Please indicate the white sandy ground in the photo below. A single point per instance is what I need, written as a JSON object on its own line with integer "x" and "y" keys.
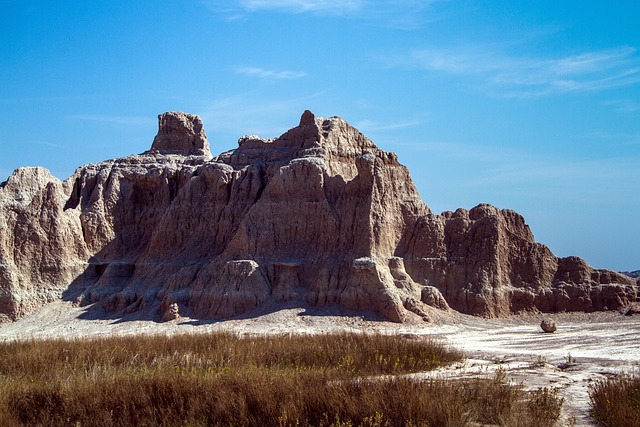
{"x": 586, "y": 347}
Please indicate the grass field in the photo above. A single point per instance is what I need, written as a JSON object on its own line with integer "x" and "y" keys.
{"x": 225, "y": 380}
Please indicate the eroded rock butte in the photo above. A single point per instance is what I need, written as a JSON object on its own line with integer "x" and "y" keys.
{"x": 319, "y": 216}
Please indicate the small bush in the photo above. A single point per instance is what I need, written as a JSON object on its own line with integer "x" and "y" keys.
{"x": 616, "y": 401}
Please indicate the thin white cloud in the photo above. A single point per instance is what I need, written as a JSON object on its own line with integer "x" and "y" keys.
{"x": 524, "y": 76}
{"x": 235, "y": 9}
{"x": 333, "y": 7}
{"x": 620, "y": 138}
{"x": 460, "y": 151}
{"x": 397, "y": 14}
{"x": 118, "y": 120}
{"x": 367, "y": 125}
{"x": 623, "y": 105}
{"x": 47, "y": 144}
{"x": 246, "y": 113}
{"x": 270, "y": 74}
{"x": 550, "y": 176}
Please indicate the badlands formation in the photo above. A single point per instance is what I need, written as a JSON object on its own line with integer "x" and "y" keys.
{"x": 318, "y": 216}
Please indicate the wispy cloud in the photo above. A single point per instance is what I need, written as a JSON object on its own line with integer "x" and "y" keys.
{"x": 544, "y": 175}
{"x": 270, "y": 74}
{"x": 623, "y": 105}
{"x": 47, "y": 144}
{"x": 297, "y": 6}
{"x": 399, "y": 14}
{"x": 246, "y": 113}
{"x": 512, "y": 75}
{"x": 117, "y": 120}
{"x": 367, "y": 125}
{"x": 619, "y": 138}
{"x": 475, "y": 153}
{"x": 322, "y": 7}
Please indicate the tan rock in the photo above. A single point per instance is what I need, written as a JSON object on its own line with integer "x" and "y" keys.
{"x": 433, "y": 297}
{"x": 317, "y": 216}
{"x": 485, "y": 261}
{"x": 181, "y": 133}
{"x": 171, "y": 313}
{"x": 632, "y": 310}
{"x": 41, "y": 248}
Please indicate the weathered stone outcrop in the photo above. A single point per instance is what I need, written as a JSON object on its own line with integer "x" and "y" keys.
{"x": 635, "y": 274}
{"x": 41, "y": 249}
{"x": 181, "y": 133}
{"x": 318, "y": 216}
{"x": 485, "y": 261}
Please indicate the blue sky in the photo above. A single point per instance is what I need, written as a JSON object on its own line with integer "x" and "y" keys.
{"x": 531, "y": 106}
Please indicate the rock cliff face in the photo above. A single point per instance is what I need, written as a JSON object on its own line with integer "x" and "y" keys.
{"x": 318, "y": 216}
{"x": 41, "y": 245}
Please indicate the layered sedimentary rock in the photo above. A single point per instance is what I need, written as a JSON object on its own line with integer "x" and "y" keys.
{"x": 318, "y": 216}
{"x": 41, "y": 245}
{"x": 485, "y": 261}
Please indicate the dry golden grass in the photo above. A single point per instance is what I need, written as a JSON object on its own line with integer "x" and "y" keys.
{"x": 616, "y": 401}
{"x": 222, "y": 380}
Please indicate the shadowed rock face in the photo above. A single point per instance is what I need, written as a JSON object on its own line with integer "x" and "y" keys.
{"x": 318, "y": 216}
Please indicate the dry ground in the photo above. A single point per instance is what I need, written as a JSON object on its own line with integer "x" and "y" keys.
{"x": 586, "y": 347}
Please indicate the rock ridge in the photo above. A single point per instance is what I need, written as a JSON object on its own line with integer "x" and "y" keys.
{"x": 318, "y": 216}
{"x": 635, "y": 274}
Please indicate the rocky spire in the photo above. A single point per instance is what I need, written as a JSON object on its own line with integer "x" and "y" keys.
{"x": 181, "y": 133}
{"x": 308, "y": 118}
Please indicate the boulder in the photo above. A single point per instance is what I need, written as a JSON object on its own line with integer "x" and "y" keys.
{"x": 433, "y": 297}
{"x": 548, "y": 326}
{"x": 172, "y": 312}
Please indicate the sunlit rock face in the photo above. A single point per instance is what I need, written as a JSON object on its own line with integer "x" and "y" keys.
{"x": 318, "y": 216}
{"x": 181, "y": 133}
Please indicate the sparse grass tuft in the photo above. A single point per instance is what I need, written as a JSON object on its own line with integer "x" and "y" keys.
{"x": 226, "y": 380}
{"x": 540, "y": 362}
{"x": 616, "y": 401}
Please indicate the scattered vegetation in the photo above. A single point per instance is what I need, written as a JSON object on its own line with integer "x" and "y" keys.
{"x": 569, "y": 362}
{"x": 540, "y": 362}
{"x": 225, "y": 380}
{"x": 616, "y": 401}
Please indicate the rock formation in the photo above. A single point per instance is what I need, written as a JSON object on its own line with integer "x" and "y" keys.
{"x": 318, "y": 216}
{"x": 181, "y": 133}
{"x": 632, "y": 310}
{"x": 635, "y": 274}
{"x": 41, "y": 245}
